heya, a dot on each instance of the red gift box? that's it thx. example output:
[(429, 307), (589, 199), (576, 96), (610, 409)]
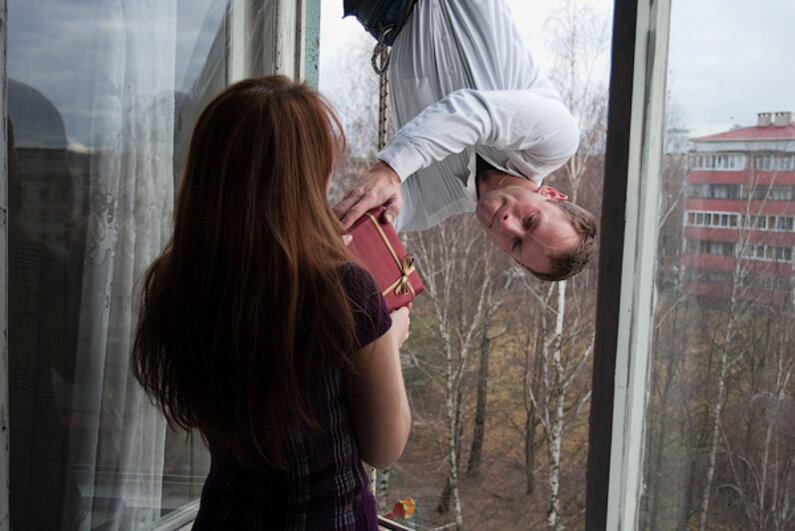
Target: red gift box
[(378, 249)]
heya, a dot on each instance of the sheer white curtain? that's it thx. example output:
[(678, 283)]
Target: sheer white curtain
[(116, 456)]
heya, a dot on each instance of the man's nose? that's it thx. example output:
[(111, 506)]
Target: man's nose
[(508, 224)]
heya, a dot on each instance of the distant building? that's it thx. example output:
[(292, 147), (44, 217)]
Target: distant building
[(739, 220)]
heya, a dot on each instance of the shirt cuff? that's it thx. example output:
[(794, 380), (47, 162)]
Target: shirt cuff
[(402, 156)]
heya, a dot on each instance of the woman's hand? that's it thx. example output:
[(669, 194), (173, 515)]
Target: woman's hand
[(400, 325)]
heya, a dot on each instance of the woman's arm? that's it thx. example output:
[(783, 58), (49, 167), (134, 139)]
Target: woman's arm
[(377, 396)]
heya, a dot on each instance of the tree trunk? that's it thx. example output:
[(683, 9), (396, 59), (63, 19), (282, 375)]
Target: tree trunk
[(530, 450), (531, 420), (658, 447), (473, 466), (383, 490), (728, 337), (556, 409), (444, 498), (450, 492), (686, 495)]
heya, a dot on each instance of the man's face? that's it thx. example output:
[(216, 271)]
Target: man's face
[(527, 224)]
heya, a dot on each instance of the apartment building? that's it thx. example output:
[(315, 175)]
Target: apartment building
[(739, 226)]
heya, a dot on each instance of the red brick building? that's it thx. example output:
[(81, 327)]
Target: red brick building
[(739, 226)]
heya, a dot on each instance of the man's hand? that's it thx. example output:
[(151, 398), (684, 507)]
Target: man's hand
[(380, 186)]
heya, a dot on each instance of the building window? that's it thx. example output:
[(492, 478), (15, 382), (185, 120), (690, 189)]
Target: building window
[(713, 191), (721, 161), (713, 219), (763, 162), (775, 162), (717, 248), (781, 193), (725, 191), (758, 251), (784, 162)]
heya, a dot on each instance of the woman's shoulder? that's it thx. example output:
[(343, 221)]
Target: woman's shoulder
[(368, 305), (356, 279)]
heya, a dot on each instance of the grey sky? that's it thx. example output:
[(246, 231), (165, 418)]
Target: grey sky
[(728, 59)]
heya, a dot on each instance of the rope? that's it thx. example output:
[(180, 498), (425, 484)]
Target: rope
[(383, 96), (380, 52)]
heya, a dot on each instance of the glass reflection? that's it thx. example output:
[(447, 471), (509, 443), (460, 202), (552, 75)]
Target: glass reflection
[(101, 97), (720, 441)]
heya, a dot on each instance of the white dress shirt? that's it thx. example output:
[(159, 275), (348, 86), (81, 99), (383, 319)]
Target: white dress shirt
[(462, 82)]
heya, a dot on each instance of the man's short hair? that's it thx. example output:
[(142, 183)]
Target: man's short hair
[(574, 260)]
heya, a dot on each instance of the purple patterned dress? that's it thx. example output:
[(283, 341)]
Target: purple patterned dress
[(324, 486)]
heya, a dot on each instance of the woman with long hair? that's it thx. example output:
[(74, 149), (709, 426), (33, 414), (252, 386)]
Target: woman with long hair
[(258, 329)]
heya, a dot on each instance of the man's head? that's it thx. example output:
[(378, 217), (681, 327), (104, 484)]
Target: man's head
[(537, 227)]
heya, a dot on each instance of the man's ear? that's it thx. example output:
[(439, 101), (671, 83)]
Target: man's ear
[(551, 193)]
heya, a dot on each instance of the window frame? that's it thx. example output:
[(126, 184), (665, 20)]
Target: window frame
[(289, 42), (628, 236), (627, 252), (5, 514)]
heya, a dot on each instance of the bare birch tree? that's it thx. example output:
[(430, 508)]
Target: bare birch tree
[(495, 295), (760, 468), (565, 345), (740, 296), (458, 267), (566, 340)]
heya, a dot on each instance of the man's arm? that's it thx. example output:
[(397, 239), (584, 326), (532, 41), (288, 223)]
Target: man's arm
[(523, 124), (534, 131)]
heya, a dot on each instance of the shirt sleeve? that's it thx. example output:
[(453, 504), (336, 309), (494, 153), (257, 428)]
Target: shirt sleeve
[(533, 131), (369, 308)]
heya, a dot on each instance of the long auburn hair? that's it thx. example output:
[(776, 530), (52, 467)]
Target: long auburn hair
[(245, 306)]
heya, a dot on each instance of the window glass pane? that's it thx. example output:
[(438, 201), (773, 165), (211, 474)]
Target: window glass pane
[(521, 467), (719, 438), (101, 98)]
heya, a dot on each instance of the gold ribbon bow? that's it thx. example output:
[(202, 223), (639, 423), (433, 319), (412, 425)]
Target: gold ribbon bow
[(402, 285)]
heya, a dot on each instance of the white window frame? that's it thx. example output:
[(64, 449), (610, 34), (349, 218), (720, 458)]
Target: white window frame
[(636, 299)]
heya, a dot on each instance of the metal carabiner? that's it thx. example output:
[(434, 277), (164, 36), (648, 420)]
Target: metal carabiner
[(381, 51)]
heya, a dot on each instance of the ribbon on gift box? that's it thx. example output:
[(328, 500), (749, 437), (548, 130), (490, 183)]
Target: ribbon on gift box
[(377, 248), (406, 266)]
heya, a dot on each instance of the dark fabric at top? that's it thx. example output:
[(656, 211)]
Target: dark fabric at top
[(376, 15), (350, 5)]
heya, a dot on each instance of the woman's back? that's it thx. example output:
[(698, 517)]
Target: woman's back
[(257, 330)]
